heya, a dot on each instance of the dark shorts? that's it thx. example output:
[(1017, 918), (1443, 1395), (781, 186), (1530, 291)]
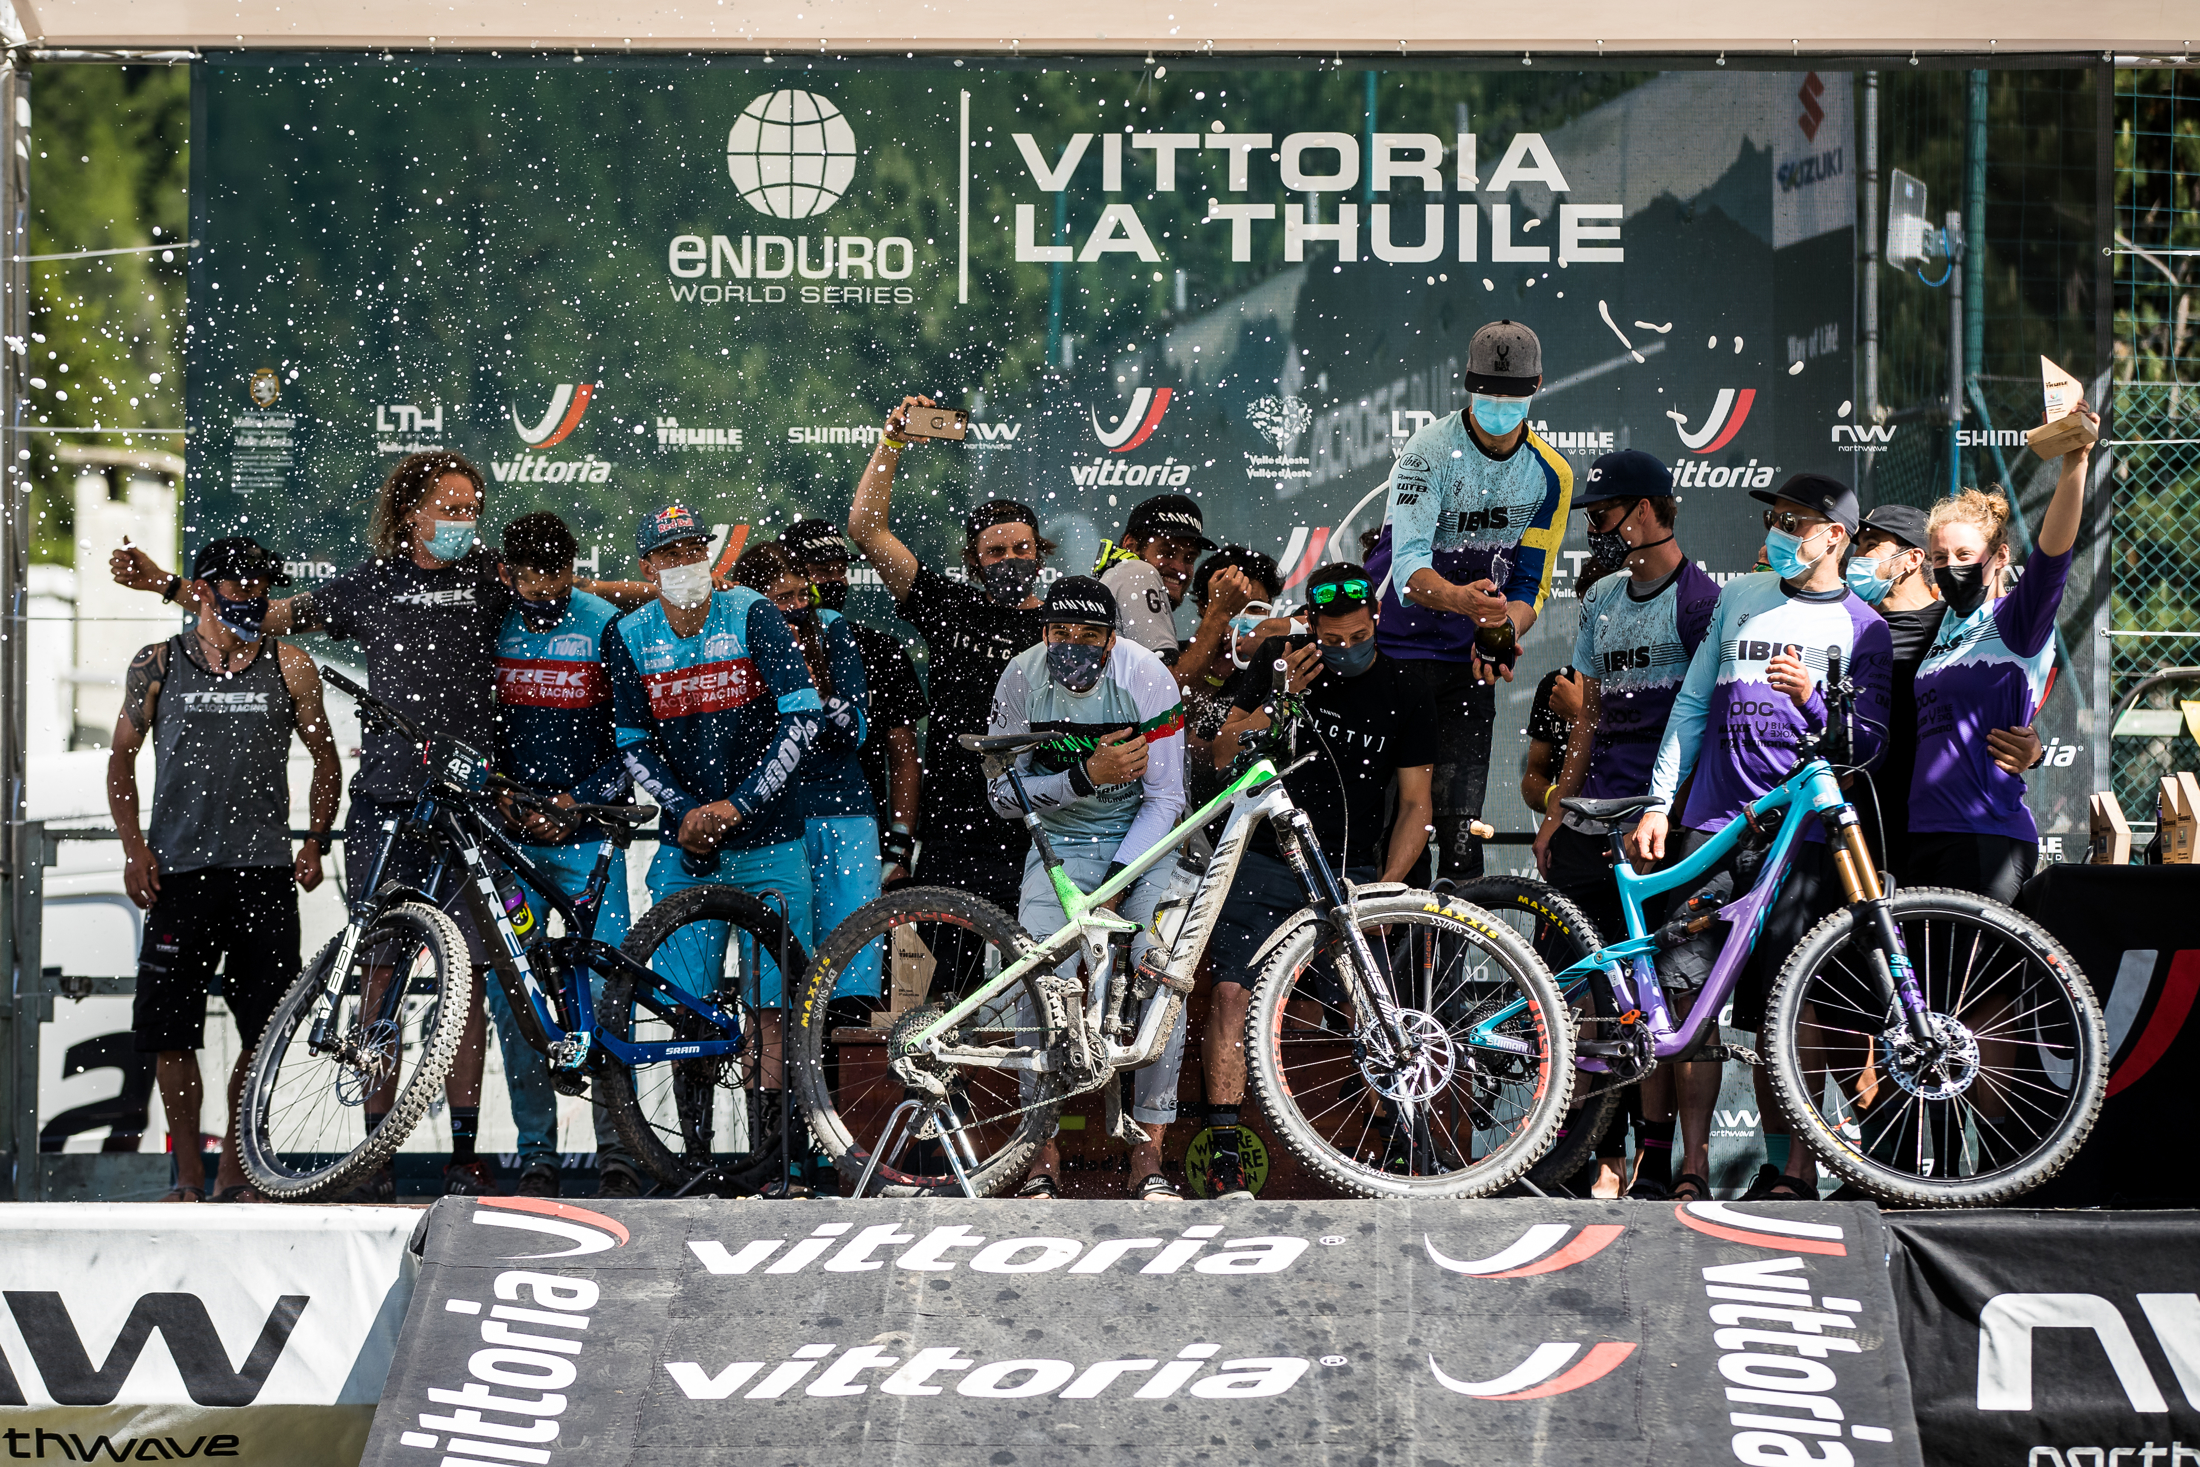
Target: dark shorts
[(248, 914), (1466, 714), (1993, 866), (1810, 892), (1581, 870), (1263, 896), (410, 864)]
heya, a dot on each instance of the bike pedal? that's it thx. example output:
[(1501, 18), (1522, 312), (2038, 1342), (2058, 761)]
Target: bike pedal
[(1722, 1052)]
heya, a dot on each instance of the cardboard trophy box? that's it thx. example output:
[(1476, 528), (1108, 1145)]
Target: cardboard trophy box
[(2174, 821), (2188, 816), (2111, 832), (2064, 430)]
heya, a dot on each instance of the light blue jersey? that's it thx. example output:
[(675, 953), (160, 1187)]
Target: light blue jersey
[(1638, 649)]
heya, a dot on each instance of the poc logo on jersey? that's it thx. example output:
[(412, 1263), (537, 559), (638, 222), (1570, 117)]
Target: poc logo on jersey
[(225, 702)]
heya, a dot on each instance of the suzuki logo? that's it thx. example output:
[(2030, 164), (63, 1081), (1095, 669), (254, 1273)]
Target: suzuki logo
[(1728, 413), (566, 406), (1138, 420), (1538, 1376), (2005, 1329), (1813, 114)]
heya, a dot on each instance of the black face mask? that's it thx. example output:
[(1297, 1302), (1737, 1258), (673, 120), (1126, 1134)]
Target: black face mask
[(245, 618), (1963, 587), (831, 595), (543, 616), (1009, 581)]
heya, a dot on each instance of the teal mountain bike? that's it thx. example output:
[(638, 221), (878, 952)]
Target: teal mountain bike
[(1930, 1046), (1403, 1044)]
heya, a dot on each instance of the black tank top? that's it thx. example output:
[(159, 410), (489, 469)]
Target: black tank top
[(221, 786)]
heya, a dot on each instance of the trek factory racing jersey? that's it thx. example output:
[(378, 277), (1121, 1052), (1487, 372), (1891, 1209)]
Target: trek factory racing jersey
[(1984, 671), (726, 714), (1455, 509), (830, 784), (1135, 691), (430, 639), (1638, 650), (1746, 730), (555, 700)]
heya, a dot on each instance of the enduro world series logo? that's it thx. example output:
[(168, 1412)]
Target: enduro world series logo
[(791, 155)]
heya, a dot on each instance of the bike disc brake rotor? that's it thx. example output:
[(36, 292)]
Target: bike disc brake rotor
[(373, 1059), (1424, 1069), (1938, 1073)]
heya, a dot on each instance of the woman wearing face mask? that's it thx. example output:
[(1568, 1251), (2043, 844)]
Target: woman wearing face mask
[(839, 818), (1987, 670), (1889, 573), (971, 628), (1108, 786)]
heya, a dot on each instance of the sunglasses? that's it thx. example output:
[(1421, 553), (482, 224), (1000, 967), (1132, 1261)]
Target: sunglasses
[(1601, 517), (1332, 591), (1788, 522)]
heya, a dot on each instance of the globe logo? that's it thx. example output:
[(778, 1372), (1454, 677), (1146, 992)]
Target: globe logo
[(791, 154)]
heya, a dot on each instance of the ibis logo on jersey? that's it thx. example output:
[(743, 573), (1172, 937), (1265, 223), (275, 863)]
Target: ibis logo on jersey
[(1138, 422), (559, 419), (1728, 412)]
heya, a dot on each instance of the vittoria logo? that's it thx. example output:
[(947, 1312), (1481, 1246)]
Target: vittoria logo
[(1728, 412), (588, 1232), (560, 419), (1538, 1376), (1138, 422), (1533, 1253)]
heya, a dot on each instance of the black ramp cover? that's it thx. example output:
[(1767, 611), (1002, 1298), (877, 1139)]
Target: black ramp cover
[(949, 1333), (2053, 1339)]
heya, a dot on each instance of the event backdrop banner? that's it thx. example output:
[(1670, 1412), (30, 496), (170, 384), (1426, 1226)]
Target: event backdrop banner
[(256, 1334), (941, 1331), (618, 282)]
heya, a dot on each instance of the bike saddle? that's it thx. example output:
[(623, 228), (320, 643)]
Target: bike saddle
[(1609, 812), (1003, 744), (634, 816)]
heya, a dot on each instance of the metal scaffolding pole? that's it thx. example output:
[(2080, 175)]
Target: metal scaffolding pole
[(19, 861)]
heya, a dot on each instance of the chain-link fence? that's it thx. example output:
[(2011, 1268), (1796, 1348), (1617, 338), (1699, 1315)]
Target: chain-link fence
[(2155, 560)]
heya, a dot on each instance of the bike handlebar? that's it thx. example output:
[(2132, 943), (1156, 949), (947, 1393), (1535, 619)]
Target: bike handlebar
[(369, 704)]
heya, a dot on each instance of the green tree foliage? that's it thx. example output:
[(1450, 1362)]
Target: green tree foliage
[(108, 169)]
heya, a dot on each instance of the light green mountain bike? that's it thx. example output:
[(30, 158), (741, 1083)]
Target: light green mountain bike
[(1357, 1039)]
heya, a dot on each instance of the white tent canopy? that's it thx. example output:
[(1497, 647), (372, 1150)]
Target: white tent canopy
[(2150, 27)]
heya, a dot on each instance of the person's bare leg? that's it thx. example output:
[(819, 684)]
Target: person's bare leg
[(1146, 1160), (771, 1027), (1223, 1056), (1802, 1167), (1046, 1162), (1696, 1087), (462, 1086), (231, 1172), (181, 1094), (1657, 1110)]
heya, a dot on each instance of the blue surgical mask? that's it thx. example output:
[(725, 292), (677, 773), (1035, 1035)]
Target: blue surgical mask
[(1349, 661), (452, 539), (1076, 665), (1784, 553), (1498, 416), (1866, 581)]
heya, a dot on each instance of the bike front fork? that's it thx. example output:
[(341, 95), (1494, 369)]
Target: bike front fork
[(1896, 979)]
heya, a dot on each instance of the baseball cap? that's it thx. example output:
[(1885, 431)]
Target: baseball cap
[(1829, 496), (668, 526), (1080, 600), (1627, 474), (1504, 359), (811, 542), (1174, 515), (998, 512), (1906, 522), (238, 558)]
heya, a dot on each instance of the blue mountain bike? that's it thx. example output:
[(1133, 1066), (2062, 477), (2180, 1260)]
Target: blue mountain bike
[(663, 1030), (1930, 1046)]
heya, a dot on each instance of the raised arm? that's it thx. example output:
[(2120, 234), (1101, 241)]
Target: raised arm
[(2059, 526), (130, 566), (867, 526)]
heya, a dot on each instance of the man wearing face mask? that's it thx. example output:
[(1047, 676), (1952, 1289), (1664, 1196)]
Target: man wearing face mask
[(554, 703), (1108, 786), (971, 629), (1150, 570), (714, 711), (1751, 692), (889, 754), (1373, 727), (1476, 512)]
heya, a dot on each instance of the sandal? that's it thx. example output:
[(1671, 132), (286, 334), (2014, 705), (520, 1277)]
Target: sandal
[(242, 1192), (1154, 1187), (1790, 1189), (1042, 1187), (1648, 1189), (180, 1193), (1698, 1189)]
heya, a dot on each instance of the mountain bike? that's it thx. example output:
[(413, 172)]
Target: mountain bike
[(357, 1051), (1930, 1046), (1378, 986)]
